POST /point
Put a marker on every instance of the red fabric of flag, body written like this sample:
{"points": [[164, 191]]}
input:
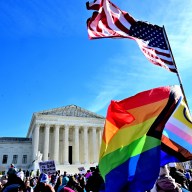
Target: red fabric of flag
{"points": [[118, 116]]}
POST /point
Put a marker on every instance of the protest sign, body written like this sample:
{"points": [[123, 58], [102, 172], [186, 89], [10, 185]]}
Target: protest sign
{"points": [[47, 167], [82, 170]]}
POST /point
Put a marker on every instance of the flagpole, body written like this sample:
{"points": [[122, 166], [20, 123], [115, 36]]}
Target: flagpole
{"points": [[177, 72]]}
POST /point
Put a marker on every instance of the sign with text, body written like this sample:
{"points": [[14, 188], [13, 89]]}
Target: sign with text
{"points": [[82, 170], [47, 167]]}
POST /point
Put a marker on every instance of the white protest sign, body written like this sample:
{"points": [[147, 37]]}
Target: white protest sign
{"points": [[47, 167], [82, 170]]}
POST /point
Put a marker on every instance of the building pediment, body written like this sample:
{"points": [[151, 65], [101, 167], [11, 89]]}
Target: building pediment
{"points": [[71, 110]]}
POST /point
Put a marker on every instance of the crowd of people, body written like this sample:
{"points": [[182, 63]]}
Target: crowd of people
{"points": [[170, 179], [28, 182]]}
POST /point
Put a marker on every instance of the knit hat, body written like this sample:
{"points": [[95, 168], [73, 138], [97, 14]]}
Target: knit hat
{"points": [[65, 180], [44, 178]]}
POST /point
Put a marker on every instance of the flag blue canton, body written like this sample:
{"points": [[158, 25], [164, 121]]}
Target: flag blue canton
{"points": [[152, 34]]}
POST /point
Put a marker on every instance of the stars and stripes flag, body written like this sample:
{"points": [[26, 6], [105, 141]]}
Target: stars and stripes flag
{"points": [[108, 21]]}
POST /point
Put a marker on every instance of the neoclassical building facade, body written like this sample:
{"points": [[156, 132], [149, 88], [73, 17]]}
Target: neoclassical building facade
{"points": [[68, 135], [71, 136]]}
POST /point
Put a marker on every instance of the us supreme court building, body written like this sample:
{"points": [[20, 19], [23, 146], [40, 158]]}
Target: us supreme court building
{"points": [[70, 135]]}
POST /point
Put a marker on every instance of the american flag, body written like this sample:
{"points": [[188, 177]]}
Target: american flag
{"points": [[108, 21]]}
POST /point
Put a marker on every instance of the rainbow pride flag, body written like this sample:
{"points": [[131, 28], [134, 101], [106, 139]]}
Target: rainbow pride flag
{"points": [[131, 153]]}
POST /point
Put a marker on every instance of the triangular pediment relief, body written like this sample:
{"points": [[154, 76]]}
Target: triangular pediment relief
{"points": [[71, 110]]}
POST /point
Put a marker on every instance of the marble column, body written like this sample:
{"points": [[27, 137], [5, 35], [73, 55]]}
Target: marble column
{"points": [[46, 143], [56, 144], [99, 139], [85, 144], [35, 141], [94, 145], [66, 145], [76, 145]]}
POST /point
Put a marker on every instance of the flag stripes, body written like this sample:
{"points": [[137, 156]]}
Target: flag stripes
{"points": [[108, 21], [131, 144], [177, 134]]}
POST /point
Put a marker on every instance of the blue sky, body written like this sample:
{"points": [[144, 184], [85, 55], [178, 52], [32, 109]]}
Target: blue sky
{"points": [[47, 60]]}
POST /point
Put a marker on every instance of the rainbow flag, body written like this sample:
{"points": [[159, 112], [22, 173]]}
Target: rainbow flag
{"points": [[131, 153]]}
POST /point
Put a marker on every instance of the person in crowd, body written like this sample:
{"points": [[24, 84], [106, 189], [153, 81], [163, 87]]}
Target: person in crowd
{"points": [[53, 179], [88, 174], [81, 181], [11, 170], [44, 187], [65, 184], [74, 184], [95, 182], [179, 177], [37, 172], [14, 183], [4, 179], [188, 176], [1, 186], [190, 179], [28, 188], [27, 173], [67, 189], [58, 182], [21, 174], [32, 173], [165, 182], [43, 184], [33, 181]]}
